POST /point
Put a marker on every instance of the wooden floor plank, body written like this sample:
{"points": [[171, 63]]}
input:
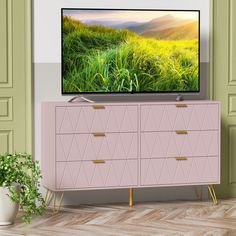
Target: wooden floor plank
{"points": [[144, 219]]}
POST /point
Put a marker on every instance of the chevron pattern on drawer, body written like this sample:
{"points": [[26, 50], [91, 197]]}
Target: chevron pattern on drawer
{"points": [[170, 144], [86, 174], [168, 171], [85, 119], [76, 147], [170, 117]]}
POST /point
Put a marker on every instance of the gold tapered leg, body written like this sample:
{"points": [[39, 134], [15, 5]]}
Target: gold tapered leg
{"points": [[48, 197], [213, 194], [131, 197], [56, 208]]}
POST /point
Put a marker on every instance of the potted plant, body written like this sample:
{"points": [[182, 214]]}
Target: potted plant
{"points": [[19, 187]]}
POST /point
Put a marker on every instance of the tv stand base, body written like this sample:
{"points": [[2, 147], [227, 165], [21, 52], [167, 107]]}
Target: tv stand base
{"points": [[81, 97], [179, 98], [86, 99]]}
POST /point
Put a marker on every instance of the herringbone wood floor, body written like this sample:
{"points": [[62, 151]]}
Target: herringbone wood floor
{"points": [[170, 218]]}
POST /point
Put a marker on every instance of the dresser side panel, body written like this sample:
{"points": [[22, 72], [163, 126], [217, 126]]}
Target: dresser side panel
{"points": [[219, 146], [48, 145]]}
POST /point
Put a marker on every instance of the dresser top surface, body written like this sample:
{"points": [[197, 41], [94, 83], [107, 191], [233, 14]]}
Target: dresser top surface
{"points": [[84, 103]]}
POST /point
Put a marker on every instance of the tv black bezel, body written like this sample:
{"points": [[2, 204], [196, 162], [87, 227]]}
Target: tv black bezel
{"points": [[143, 92]]}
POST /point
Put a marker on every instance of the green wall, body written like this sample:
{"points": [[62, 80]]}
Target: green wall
{"points": [[15, 76], [223, 88]]}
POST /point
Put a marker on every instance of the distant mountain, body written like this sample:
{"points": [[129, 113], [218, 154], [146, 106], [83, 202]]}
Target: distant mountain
{"points": [[164, 20], [127, 25], [165, 27], [114, 24], [101, 22], [187, 31], [158, 24]]}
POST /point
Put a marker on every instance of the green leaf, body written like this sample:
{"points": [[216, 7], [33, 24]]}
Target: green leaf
{"points": [[20, 168]]}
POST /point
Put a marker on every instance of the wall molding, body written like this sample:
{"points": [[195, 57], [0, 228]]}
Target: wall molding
{"points": [[223, 78], [232, 8], [16, 75], [6, 140], [29, 77], [232, 150], [6, 108], [211, 52]]}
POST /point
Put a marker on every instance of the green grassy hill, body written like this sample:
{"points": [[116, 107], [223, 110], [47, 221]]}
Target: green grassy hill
{"points": [[103, 59]]}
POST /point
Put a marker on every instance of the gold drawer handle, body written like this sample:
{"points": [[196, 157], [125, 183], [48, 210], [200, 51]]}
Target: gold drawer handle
{"points": [[181, 158], [98, 161], [98, 107], [181, 105], [99, 134], [181, 132]]}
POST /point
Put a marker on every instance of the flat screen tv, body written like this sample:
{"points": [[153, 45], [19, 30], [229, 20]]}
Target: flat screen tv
{"points": [[130, 51]]}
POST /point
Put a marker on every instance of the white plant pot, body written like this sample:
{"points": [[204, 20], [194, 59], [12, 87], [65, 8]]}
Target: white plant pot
{"points": [[8, 208]]}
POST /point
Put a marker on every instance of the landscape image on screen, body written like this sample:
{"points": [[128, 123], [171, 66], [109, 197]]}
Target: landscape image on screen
{"points": [[105, 51]]}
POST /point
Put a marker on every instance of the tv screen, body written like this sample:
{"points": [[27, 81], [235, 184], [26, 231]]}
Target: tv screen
{"points": [[130, 51]]}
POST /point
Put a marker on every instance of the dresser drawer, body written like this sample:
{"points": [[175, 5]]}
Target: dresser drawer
{"points": [[96, 118], [76, 147], [86, 174], [169, 171], [181, 117], [172, 144]]}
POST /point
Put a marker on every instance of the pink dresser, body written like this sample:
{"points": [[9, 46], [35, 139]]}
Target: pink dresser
{"points": [[130, 145]]}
